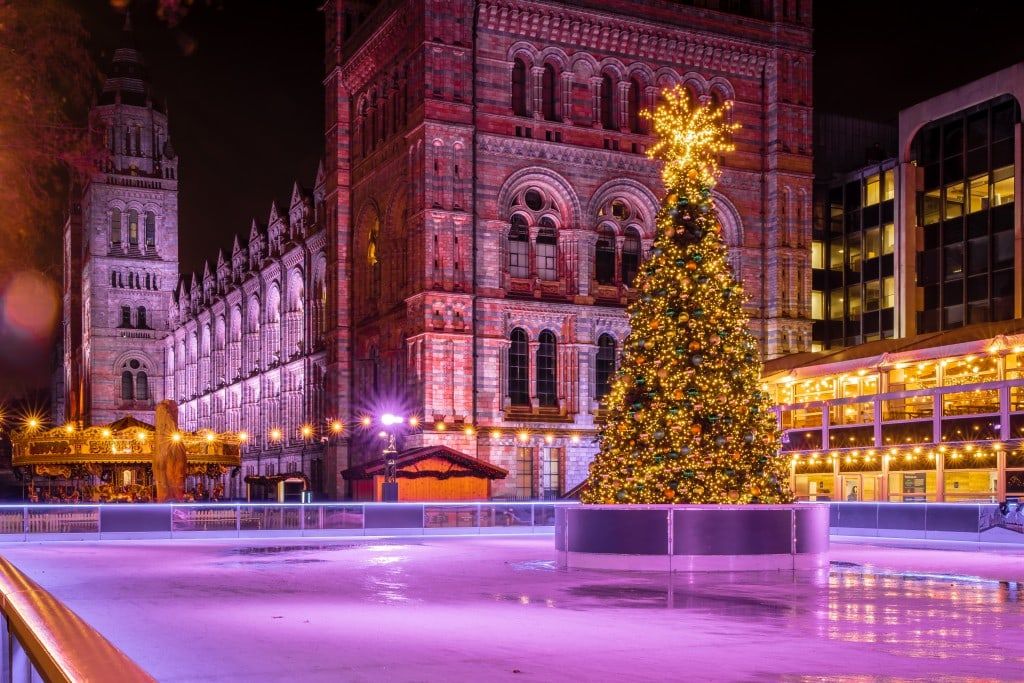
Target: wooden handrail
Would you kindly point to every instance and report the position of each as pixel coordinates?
(61, 646)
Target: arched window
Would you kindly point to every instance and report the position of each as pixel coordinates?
(140, 318)
(115, 227)
(113, 279)
(716, 99)
(133, 228)
(547, 249)
(549, 93)
(126, 316)
(607, 100)
(519, 368)
(630, 255)
(547, 366)
(635, 122)
(519, 247)
(605, 364)
(150, 229)
(127, 386)
(142, 387)
(519, 89)
(604, 256)
(364, 133)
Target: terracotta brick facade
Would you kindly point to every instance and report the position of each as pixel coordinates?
(487, 178)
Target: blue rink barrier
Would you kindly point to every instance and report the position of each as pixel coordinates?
(46, 522)
(970, 522)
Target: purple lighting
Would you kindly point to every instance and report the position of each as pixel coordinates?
(388, 419)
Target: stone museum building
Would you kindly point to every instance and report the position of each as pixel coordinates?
(465, 254)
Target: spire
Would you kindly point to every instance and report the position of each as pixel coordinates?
(127, 21)
(127, 74)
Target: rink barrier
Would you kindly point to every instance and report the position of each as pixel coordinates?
(44, 522)
(972, 522)
(43, 640)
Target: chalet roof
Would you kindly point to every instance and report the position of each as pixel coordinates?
(459, 465)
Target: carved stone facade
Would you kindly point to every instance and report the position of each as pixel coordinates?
(489, 200)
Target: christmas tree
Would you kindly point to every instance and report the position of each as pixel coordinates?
(687, 419)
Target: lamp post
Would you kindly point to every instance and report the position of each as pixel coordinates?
(389, 489)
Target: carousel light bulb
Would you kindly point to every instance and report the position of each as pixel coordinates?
(414, 421)
(33, 422)
(176, 437)
(495, 433)
(366, 420)
(469, 430)
(336, 426)
(307, 431)
(575, 438)
(275, 434)
(243, 436)
(549, 438)
(441, 426)
(69, 428)
(209, 436)
(524, 436)
(105, 433)
(141, 436)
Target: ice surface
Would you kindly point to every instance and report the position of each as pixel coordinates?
(495, 608)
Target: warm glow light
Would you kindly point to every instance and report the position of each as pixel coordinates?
(69, 428)
(414, 421)
(575, 438)
(336, 426)
(176, 437)
(366, 420)
(275, 434)
(209, 436)
(495, 433)
(307, 431)
(105, 433)
(469, 430)
(524, 436)
(243, 436)
(33, 422)
(440, 426)
(549, 438)
(141, 436)
(387, 419)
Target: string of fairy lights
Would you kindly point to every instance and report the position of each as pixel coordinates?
(333, 428)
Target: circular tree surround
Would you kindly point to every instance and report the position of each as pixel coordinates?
(692, 538)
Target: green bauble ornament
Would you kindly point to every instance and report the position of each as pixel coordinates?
(698, 313)
(688, 474)
(621, 495)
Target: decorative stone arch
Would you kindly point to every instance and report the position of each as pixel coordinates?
(524, 51)
(641, 196)
(234, 321)
(642, 73)
(696, 83)
(296, 291)
(555, 56)
(272, 304)
(204, 340)
(584, 65)
(729, 218)
(252, 312)
(723, 87)
(140, 356)
(561, 191)
(666, 77)
(613, 66)
(220, 332)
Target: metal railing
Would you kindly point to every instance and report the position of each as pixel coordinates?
(43, 640)
(188, 520)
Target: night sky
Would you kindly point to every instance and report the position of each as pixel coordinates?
(243, 81)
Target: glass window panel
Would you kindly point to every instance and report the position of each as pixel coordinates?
(853, 251)
(930, 207)
(889, 186)
(872, 295)
(970, 370)
(954, 205)
(888, 292)
(909, 408)
(835, 304)
(872, 190)
(814, 390)
(817, 254)
(872, 243)
(978, 199)
(888, 238)
(911, 377)
(817, 305)
(1002, 186)
(978, 402)
(953, 261)
(854, 300)
(852, 413)
(835, 257)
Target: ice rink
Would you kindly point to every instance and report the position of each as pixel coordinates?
(495, 608)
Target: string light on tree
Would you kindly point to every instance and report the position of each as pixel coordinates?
(689, 421)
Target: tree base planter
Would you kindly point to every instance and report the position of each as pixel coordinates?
(692, 538)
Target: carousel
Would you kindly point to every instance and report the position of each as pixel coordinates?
(125, 461)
